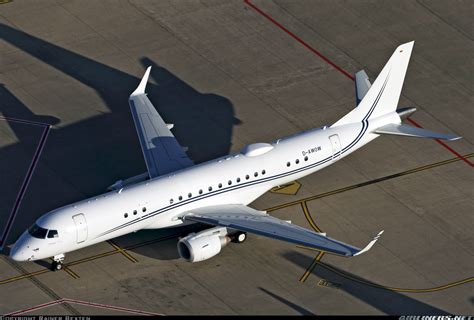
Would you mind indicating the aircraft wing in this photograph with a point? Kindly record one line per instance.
(163, 154)
(246, 219)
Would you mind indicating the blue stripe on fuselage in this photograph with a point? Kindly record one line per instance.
(365, 125)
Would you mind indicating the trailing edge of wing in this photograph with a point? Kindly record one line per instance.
(243, 218)
(409, 131)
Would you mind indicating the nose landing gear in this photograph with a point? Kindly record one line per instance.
(57, 262)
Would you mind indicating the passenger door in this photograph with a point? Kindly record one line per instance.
(81, 227)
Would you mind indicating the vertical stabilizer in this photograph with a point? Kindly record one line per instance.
(382, 97)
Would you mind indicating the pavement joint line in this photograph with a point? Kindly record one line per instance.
(122, 251)
(369, 182)
(335, 66)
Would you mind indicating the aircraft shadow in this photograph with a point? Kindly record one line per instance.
(83, 158)
(389, 302)
(158, 244)
(290, 304)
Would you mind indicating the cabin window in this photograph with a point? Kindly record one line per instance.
(210, 188)
(180, 198)
(143, 209)
(238, 180)
(200, 191)
(288, 164)
(263, 172)
(297, 161)
(52, 234)
(37, 232)
(229, 182)
(171, 201)
(247, 177)
(135, 211)
(220, 185)
(306, 158)
(190, 195)
(125, 215)
(255, 174)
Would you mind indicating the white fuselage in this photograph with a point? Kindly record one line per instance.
(158, 203)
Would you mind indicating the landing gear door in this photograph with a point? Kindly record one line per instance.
(81, 227)
(336, 145)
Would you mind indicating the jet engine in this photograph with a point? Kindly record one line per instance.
(203, 245)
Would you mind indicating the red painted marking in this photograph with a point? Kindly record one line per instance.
(38, 307)
(91, 304)
(105, 306)
(291, 34)
(348, 75)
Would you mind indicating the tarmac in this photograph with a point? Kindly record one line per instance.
(230, 73)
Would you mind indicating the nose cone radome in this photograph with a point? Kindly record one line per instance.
(17, 253)
(20, 250)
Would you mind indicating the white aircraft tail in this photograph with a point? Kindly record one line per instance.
(383, 95)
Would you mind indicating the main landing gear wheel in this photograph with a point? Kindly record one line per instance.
(240, 237)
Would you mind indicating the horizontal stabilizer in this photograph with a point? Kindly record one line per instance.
(362, 84)
(409, 131)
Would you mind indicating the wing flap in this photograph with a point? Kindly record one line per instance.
(246, 219)
(162, 152)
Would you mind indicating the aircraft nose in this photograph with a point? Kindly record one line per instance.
(16, 253)
(19, 251)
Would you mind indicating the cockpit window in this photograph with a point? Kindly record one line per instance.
(37, 232)
(52, 234)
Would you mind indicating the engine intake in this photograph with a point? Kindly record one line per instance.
(203, 245)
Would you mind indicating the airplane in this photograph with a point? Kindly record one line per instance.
(175, 192)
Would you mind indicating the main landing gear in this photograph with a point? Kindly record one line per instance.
(239, 237)
(57, 262)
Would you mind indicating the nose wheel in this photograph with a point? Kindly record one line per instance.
(57, 262)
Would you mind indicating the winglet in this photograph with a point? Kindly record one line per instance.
(371, 243)
(141, 87)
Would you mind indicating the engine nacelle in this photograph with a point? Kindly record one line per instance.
(203, 245)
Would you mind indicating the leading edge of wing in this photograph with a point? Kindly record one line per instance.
(246, 219)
